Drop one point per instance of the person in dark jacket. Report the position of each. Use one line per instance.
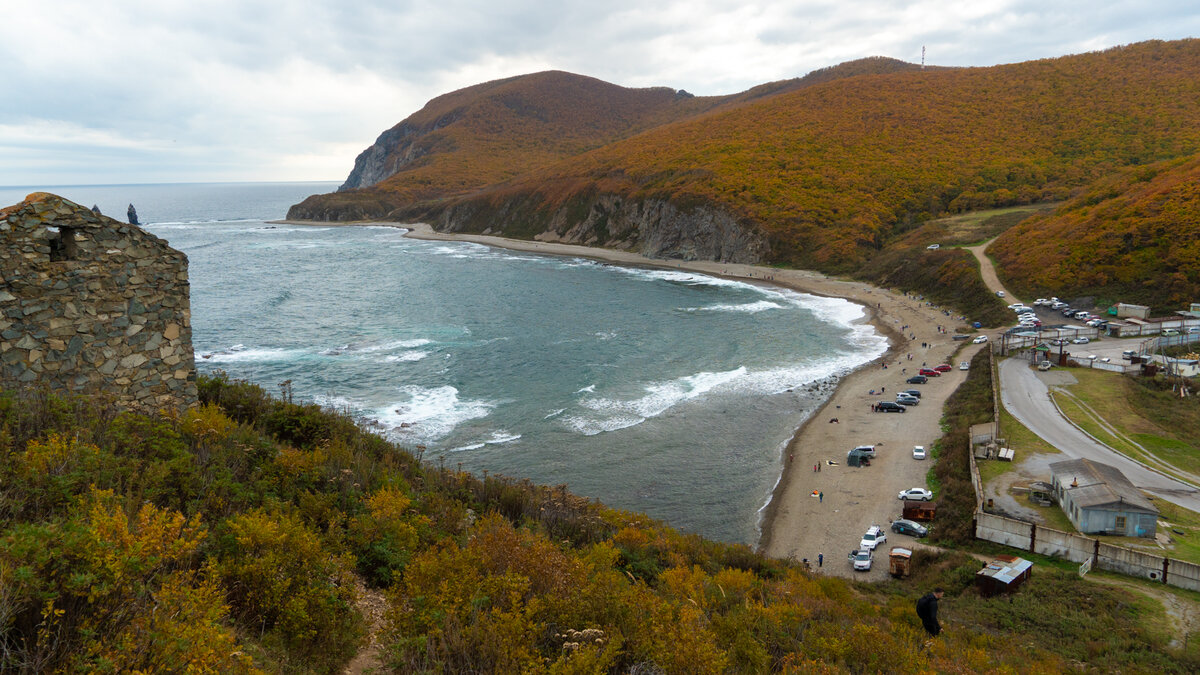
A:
(927, 608)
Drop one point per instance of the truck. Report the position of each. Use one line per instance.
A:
(899, 560)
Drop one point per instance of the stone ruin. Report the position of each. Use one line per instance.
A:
(92, 305)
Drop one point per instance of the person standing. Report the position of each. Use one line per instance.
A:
(820, 560)
(927, 610)
(820, 497)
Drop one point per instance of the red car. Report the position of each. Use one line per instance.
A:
(929, 372)
(943, 368)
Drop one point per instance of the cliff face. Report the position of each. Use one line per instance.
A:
(395, 149)
(654, 227)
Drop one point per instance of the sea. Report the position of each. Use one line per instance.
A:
(650, 389)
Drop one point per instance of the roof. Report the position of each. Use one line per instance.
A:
(1095, 485)
(1005, 569)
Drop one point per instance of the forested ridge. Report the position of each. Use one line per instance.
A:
(833, 168)
(1133, 237)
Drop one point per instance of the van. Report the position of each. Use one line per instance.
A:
(865, 450)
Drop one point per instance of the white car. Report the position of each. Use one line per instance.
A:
(1080, 341)
(980, 340)
(874, 537)
(916, 494)
(1041, 302)
(933, 247)
(965, 365)
(918, 452)
(999, 294)
(861, 559)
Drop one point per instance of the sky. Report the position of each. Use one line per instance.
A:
(166, 91)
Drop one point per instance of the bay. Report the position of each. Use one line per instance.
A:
(655, 390)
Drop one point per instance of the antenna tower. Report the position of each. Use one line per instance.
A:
(922, 57)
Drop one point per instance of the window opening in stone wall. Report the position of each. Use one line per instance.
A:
(62, 244)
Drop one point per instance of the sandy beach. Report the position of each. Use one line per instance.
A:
(798, 523)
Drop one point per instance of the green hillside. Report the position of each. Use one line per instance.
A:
(254, 535)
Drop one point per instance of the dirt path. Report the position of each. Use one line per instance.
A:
(372, 605)
(988, 271)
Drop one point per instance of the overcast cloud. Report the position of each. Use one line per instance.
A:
(124, 91)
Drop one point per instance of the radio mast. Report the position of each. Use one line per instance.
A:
(922, 57)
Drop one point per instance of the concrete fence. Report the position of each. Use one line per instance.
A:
(1078, 548)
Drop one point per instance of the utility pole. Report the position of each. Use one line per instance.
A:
(922, 57)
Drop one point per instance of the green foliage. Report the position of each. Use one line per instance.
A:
(970, 404)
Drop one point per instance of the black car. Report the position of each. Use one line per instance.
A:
(888, 406)
(916, 393)
(917, 379)
(909, 527)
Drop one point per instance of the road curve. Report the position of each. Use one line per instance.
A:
(1027, 397)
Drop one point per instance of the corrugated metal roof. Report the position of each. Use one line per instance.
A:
(1005, 570)
(1095, 485)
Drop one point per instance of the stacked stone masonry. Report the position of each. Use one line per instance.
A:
(92, 305)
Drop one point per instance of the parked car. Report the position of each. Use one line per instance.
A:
(909, 527)
(874, 537)
(999, 294)
(917, 379)
(1080, 341)
(918, 452)
(1044, 366)
(1058, 342)
(943, 367)
(907, 400)
(1057, 304)
(916, 494)
(929, 372)
(1193, 330)
(912, 392)
(1170, 332)
(1081, 315)
(888, 406)
(861, 559)
(965, 365)
(865, 450)
(933, 247)
(1041, 302)
(1128, 354)
(980, 339)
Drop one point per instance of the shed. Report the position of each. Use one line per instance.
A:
(1004, 574)
(1099, 499)
(922, 512)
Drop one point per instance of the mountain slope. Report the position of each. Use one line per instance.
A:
(1134, 237)
(495, 131)
(830, 173)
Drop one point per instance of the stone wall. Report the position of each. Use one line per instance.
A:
(92, 305)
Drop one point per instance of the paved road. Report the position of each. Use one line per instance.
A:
(1027, 397)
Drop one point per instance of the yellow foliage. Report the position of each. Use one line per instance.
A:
(54, 456)
(207, 423)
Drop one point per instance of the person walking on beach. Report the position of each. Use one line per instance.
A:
(820, 560)
(820, 497)
(927, 610)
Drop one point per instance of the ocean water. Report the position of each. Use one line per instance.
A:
(655, 390)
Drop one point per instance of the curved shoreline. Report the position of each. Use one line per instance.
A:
(790, 520)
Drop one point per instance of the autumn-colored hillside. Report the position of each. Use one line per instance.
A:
(1134, 237)
(252, 535)
(489, 133)
(833, 172)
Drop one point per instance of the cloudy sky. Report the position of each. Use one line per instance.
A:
(140, 91)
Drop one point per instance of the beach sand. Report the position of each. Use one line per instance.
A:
(797, 524)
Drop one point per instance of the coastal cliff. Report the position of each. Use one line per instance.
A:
(656, 228)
